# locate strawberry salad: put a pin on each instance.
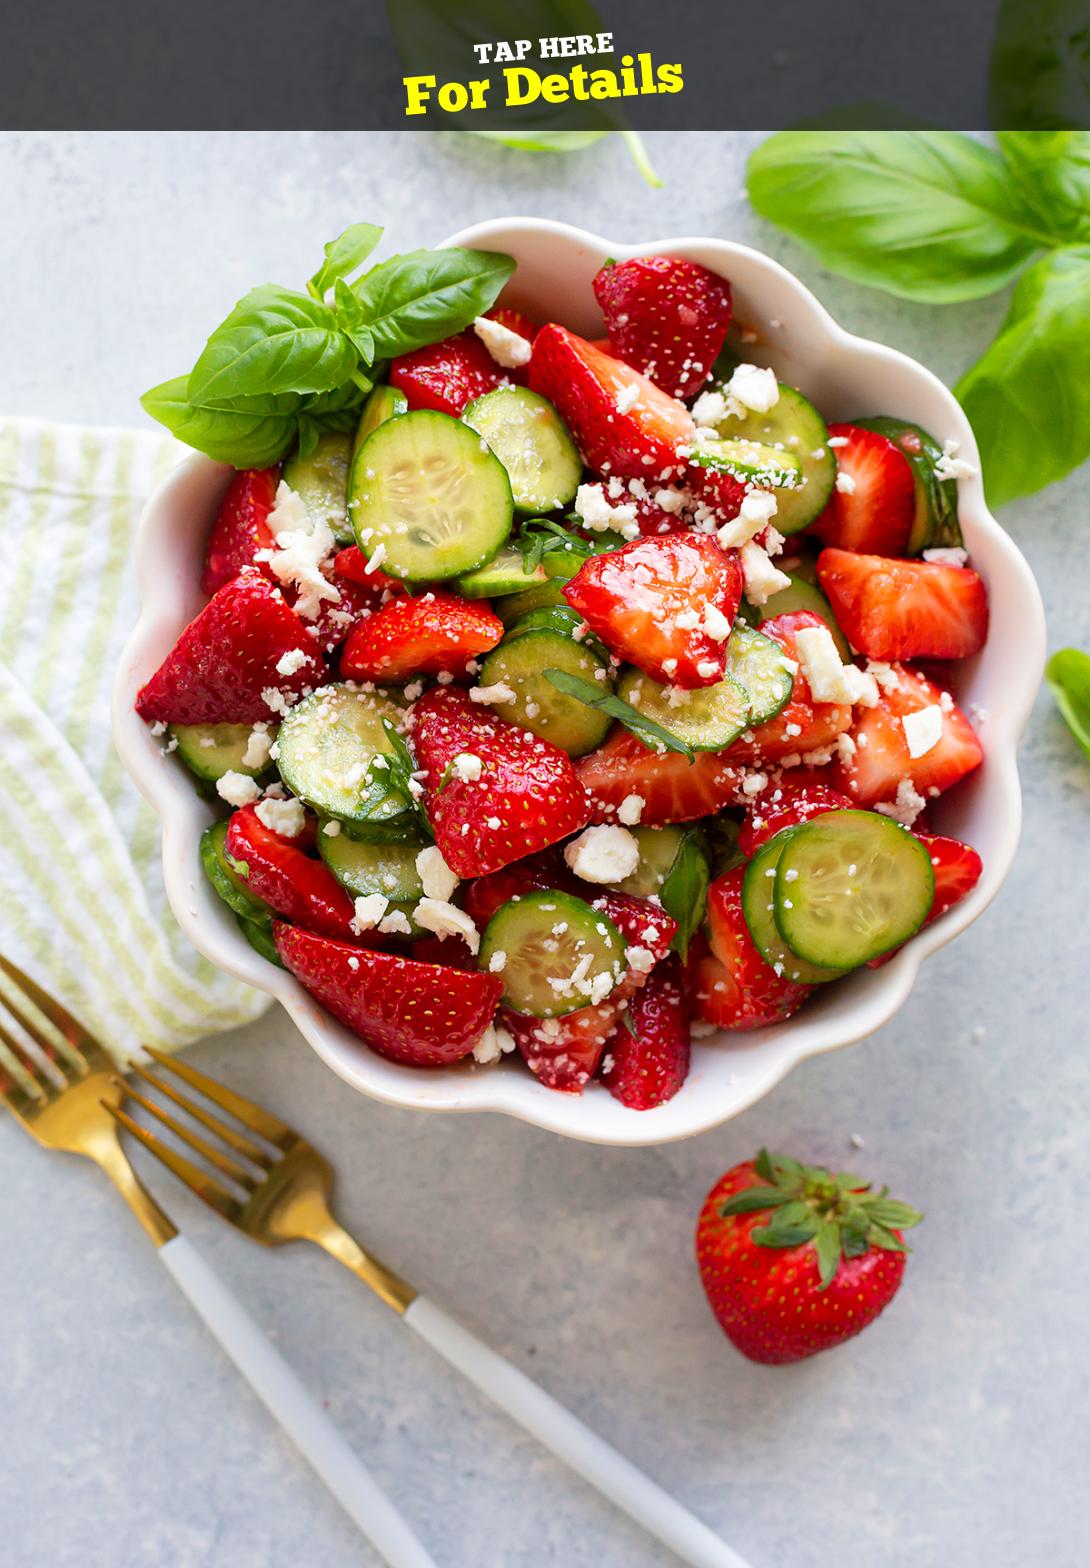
(588, 698)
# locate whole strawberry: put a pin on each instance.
(795, 1259)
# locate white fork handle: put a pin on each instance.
(300, 1415)
(588, 1454)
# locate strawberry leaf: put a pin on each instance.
(752, 1198)
(827, 1247)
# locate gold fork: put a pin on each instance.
(66, 1092)
(272, 1185)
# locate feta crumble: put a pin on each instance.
(947, 555)
(445, 919)
(285, 817)
(923, 729)
(258, 747)
(906, 807)
(599, 513)
(603, 854)
(631, 810)
(845, 484)
(715, 624)
(762, 578)
(495, 1042)
(288, 663)
(237, 789)
(436, 877)
(500, 692)
(507, 348)
(950, 465)
(369, 911)
(754, 388)
(754, 515)
(627, 397)
(302, 546)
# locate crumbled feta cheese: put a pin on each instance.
(627, 397)
(285, 817)
(500, 692)
(710, 408)
(923, 729)
(707, 669)
(669, 499)
(885, 675)
(630, 810)
(835, 441)
(845, 747)
(754, 388)
(641, 960)
(669, 666)
(495, 1042)
(599, 513)
(466, 767)
(368, 912)
(277, 701)
(445, 919)
(258, 746)
(497, 962)
(821, 664)
(862, 688)
(762, 578)
(331, 828)
(237, 789)
(754, 515)
(947, 556)
(603, 854)
(289, 662)
(600, 987)
(159, 728)
(715, 624)
(845, 484)
(773, 541)
(396, 923)
(950, 465)
(436, 877)
(302, 546)
(754, 783)
(507, 348)
(907, 806)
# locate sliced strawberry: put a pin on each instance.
(425, 1015)
(410, 637)
(335, 620)
(633, 598)
(448, 375)
(957, 872)
(640, 922)
(875, 508)
(717, 489)
(799, 796)
(666, 316)
(526, 798)
(241, 528)
(802, 726)
(881, 766)
(672, 788)
(226, 657)
(584, 384)
(514, 321)
(484, 895)
(351, 563)
(564, 1052)
(293, 885)
(905, 609)
(732, 986)
(647, 1064)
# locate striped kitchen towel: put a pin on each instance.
(82, 906)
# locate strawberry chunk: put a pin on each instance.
(667, 316)
(293, 885)
(241, 527)
(335, 620)
(639, 443)
(228, 656)
(957, 871)
(649, 599)
(716, 488)
(881, 770)
(351, 564)
(796, 798)
(425, 1015)
(647, 1064)
(448, 375)
(410, 637)
(671, 788)
(564, 1052)
(732, 986)
(875, 509)
(484, 895)
(905, 609)
(802, 726)
(526, 798)
(514, 321)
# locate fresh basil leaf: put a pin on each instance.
(653, 736)
(722, 837)
(243, 439)
(427, 295)
(349, 314)
(929, 215)
(684, 892)
(1068, 673)
(344, 256)
(1052, 172)
(1039, 73)
(275, 340)
(1028, 396)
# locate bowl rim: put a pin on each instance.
(513, 1092)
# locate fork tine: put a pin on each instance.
(234, 1139)
(47, 1077)
(63, 1031)
(253, 1116)
(223, 1162)
(190, 1175)
(22, 1085)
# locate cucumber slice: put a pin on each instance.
(802, 595)
(519, 662)
(658, 851)
(753, 463)
(429, 497)
(532, 442)
(327, 746)
(505, 574)
(794, 425)
(382, 404)
(556, 948)
(389, 869)
(321, 479)
(761, 666)
(849, 886)
(211, 750)
(936, 520)
(561, 618)
(228, 876)
(759, 910)
(707, 719)
(260, 939)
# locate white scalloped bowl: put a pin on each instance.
(846, 376)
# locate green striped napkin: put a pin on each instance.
(82, 906)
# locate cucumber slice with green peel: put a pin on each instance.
(849, 886)
(519, 663)
(228, 876)
(429, 498)
(532, 442)
(328, 746)
(658, 851)
(558, 953)
(389, 869)
(794, 426)
(383, 403)
(935, 523)
(706, 719)
(515, 607)
(211, 750)
(260, 939)
(753, 463)
(802, 595)
(505, 574)
(763, 669)
(759, 911)
(321, 479)
(404, 828)
(560, 618)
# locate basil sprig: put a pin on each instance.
(286, 364)
(653, 736)
(1068, 673)
(938, 217)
